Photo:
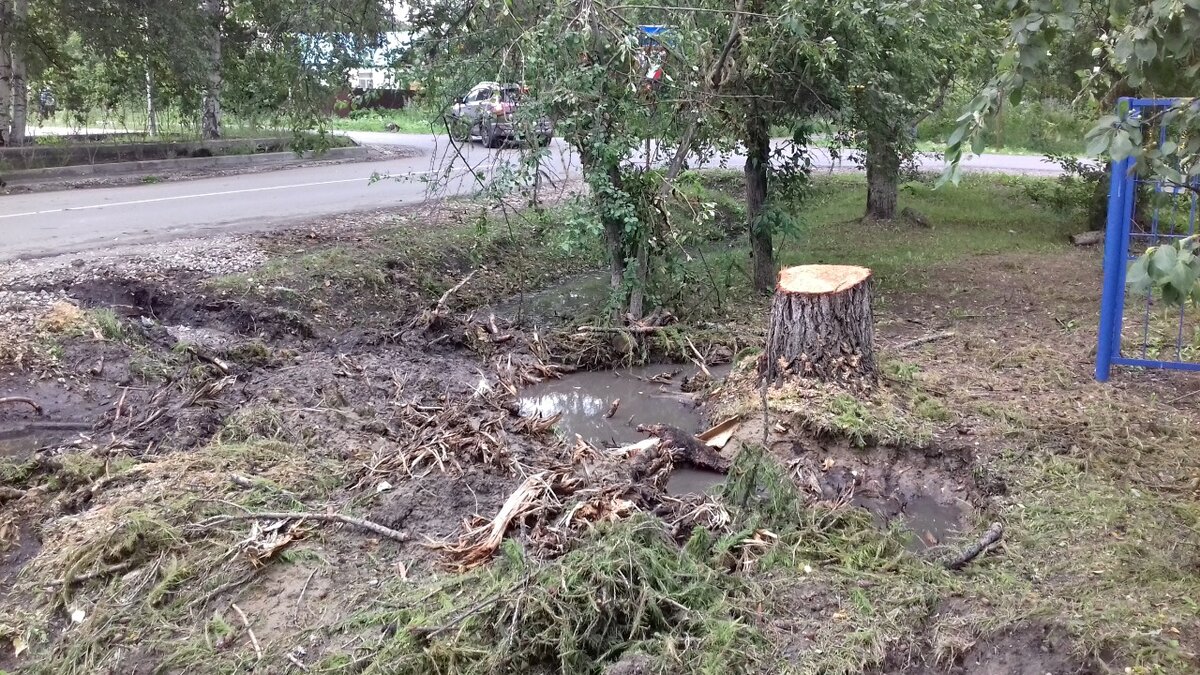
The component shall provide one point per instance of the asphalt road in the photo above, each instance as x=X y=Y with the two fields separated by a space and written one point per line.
x=48 y=223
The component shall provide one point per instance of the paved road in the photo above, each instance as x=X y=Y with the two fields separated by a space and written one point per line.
x=61 y=222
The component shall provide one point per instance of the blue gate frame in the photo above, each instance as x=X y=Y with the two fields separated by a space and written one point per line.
x=1121 y=236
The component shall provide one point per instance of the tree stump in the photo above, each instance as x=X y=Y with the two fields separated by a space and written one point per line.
x=822 y=326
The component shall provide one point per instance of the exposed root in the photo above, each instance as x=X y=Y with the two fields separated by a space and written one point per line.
x=21 y=399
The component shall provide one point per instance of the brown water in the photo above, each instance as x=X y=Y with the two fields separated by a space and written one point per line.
x=584 y=398
x=686 y=480
x=929 y=522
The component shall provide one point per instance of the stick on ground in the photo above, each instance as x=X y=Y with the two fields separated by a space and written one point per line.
x=21 y=399
x=326 y=517
x=925 y=340
x=993 y=535
x=253 y=638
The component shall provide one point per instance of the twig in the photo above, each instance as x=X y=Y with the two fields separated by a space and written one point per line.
x=612 y=409
x=925 y=340
x=699 y=359
x=296 y=662
x=640 y=330
x=993 y=535
x=441 y=303
x=21 y=399
x=327 y=517
x=102 y=572
x=300 y=598
x=253 y=638
x=1177 y=399
x=203 y=600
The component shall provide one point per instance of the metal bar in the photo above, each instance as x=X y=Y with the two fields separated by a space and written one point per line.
x=1160 y=365
x=1113 y=296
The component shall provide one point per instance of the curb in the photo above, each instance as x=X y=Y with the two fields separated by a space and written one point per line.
x=227 y=161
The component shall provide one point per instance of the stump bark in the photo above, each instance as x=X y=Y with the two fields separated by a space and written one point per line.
x=822 y=325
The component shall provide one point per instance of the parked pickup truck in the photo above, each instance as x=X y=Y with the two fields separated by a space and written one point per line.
x=488 y=112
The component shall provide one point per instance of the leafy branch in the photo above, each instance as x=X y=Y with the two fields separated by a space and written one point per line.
x=1172 y=269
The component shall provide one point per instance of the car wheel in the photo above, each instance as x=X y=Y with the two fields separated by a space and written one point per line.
x=487 y=134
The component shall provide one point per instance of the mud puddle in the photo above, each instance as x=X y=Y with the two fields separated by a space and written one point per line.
x=22 y=442
x=686 y=481
x=929 y=522
x=574 y=298
x=647 y=396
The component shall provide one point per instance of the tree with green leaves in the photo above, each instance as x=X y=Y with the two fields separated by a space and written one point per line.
x=905 y=60
x=1149 y=49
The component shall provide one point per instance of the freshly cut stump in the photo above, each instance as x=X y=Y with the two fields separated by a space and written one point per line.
x=822 y=326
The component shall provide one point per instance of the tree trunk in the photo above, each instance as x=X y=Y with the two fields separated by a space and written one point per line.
x=822 y=326
x=637 y=294
x=20 y=84
x=883 y=178
x=758 y=157
x=5 y=71
x=210 y=121
x=151 y=108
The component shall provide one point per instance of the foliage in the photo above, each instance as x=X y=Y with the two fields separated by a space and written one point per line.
x=1173 y=269
x=1148 y=49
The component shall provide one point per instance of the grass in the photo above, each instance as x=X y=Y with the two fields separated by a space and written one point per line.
x=407 y=120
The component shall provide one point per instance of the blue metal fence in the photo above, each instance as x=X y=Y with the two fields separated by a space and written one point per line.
x=1143 y=210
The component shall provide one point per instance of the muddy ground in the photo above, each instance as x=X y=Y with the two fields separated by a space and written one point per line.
x=322 y=372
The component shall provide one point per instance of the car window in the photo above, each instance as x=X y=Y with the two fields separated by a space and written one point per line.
x=510 y=95
x=483 y=95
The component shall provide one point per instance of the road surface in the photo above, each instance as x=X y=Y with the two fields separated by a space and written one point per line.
x=48 y=223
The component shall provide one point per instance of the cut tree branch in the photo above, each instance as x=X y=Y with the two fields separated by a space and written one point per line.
x=989 y=538
x=325 y=517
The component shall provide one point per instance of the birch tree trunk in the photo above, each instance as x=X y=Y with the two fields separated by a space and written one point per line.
x=210 y=120
x=20 y=83
x=822 y=326
x=6 y=74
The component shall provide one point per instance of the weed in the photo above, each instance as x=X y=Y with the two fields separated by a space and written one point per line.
x=899 y=371
x=108 y=324
x=931 y=409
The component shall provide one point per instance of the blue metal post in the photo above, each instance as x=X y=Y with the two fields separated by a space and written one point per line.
x=1113 y=295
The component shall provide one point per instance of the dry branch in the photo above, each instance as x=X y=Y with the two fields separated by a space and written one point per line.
x=21 y=399
x=253 y=639
x=637 y=330
x=325 y=517
x=94 y=574
x=993 y=535
x=441 y=303
x=925 y=340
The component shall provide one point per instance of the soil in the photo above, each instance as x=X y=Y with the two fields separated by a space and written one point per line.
x=407 y=418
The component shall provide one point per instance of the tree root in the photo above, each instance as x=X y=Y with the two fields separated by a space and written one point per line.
x=21 y=399
x=993 y=535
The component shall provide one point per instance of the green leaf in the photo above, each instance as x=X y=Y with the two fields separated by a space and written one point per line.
x=1168 y=147
x=1163 y=261
x=957 y=136
x=1137 y=277
x=1183 y=279
x=1146 y=50
x=1122 y=147
x=1097 y=145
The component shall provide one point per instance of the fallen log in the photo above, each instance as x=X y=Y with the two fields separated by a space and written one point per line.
x=686 y=448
